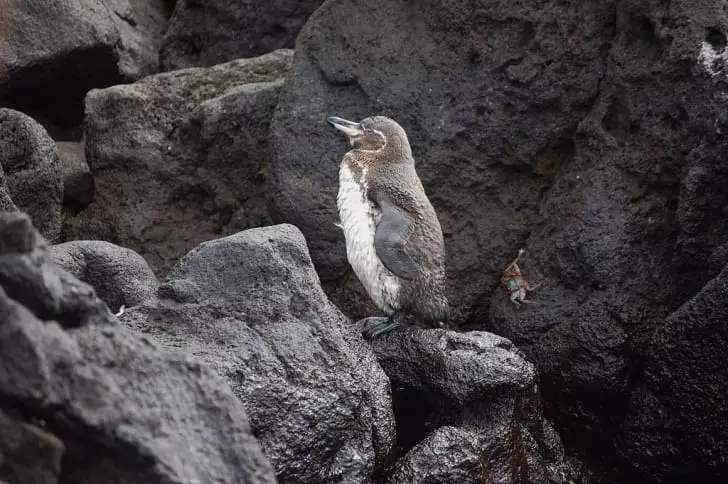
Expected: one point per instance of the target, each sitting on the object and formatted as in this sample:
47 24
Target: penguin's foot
374 326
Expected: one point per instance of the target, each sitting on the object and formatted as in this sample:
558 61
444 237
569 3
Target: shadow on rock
468 411
109 404
251 306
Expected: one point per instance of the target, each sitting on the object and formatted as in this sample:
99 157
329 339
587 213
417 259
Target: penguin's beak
349 128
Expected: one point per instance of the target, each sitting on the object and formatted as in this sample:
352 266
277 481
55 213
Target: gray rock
180 158
224 30
120 276
250 305
28 453
125 409
32 171
78 183
471 410
490 112
597 145
59 49
680 397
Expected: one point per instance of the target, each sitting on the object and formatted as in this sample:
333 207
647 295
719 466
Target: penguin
394 241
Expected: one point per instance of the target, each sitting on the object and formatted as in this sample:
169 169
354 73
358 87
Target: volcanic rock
120 276
52 52
251 306
202 34
32 171
180 158
124 409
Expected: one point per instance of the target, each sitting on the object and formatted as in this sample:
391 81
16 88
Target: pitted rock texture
251 306
468 410
32 171
78 183
202 34
28 453
52 52
124 409
120 276
180 158
677 404
591 135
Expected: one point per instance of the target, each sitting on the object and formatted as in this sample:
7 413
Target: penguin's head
372 134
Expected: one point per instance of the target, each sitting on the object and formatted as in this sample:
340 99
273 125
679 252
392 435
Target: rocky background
173 158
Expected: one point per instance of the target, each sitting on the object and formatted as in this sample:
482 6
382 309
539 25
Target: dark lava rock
490 95
78 183
205 33
125 409
592 135
32 171
180 158
120 276
28 453
52 52
251 306
681 396
468 410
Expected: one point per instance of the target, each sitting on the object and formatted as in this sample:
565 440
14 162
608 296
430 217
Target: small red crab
515 284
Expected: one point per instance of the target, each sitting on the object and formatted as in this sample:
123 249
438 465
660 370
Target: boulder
120 276
202 35
250 305
52 52
490 113
180 158
468 410
28 453
125 409
78 183
680 397
593 136
32 171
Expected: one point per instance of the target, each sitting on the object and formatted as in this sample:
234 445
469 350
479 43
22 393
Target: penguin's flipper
390 240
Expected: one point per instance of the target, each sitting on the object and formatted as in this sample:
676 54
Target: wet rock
681 395
28 454
32 171
78 183
468 410
202 35
52 52
120 276
180 158
250 305
125 409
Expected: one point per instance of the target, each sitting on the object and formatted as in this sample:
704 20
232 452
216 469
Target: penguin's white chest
359 218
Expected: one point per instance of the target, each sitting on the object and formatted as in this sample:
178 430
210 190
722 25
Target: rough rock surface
592 135
181 157
125 409
676 404
28 454
472 401
78 183
53 51
32 171
120 276
250 305
203 34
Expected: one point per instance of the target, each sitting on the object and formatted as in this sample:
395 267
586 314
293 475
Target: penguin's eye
368 130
